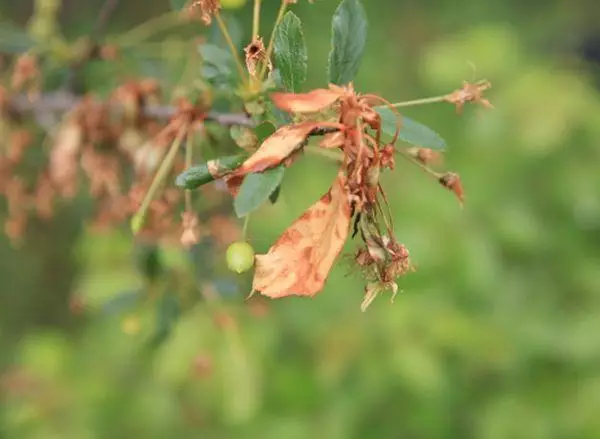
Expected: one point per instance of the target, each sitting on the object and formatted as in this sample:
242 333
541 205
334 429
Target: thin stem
189 156
106 12
232 48
414 161
415 102
245 227
137 222
148 29
280 15
256 20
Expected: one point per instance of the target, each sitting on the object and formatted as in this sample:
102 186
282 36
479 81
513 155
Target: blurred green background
495 336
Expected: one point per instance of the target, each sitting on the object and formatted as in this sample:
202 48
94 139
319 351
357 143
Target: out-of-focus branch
61 102
108 9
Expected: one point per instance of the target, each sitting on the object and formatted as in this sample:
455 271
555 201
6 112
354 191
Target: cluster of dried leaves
111 155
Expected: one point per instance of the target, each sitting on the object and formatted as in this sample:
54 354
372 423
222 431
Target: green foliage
290 52
410 131
256 189
13 39
199 175
178 5
349 37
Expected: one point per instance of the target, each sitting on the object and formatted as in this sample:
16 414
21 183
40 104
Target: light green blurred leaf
13 39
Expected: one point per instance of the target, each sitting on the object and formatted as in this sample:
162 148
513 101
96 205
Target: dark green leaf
148 261
201 174
410 131
178 5
275 195
263 131
256 189
348 40
290 52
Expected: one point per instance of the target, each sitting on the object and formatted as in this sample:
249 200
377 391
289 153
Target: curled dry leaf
277 148
311 102
300 261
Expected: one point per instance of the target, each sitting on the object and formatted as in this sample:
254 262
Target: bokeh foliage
497 335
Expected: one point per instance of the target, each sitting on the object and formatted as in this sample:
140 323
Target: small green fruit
240 257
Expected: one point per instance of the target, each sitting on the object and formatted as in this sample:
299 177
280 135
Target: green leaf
178 5
13 39
217 64
263 131
348 40
275 195
148 261
199 175
290 52
411 132
256 189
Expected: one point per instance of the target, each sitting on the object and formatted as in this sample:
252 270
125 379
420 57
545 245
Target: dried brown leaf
311 102
278 147
300 260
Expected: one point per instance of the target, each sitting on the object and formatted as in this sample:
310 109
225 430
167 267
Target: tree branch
60 102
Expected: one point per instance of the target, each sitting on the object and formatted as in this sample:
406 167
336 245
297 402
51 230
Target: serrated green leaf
411 131
290 52
199 175
178 5
256 189
349 37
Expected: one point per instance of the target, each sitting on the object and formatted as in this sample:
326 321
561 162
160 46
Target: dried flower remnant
451 181
26 74
191 229
470 93
256 54
204 9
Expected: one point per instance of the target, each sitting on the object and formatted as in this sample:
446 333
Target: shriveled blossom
299 262
470 93
256 54
26 74
204 9
191 229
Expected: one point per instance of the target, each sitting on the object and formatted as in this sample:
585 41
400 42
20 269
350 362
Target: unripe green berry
240 257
